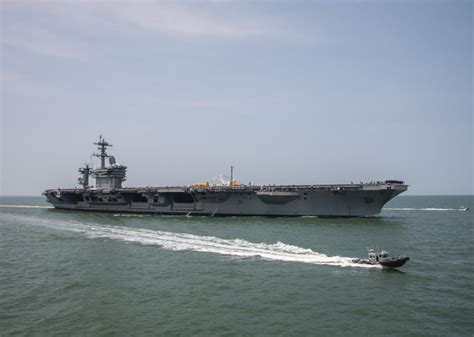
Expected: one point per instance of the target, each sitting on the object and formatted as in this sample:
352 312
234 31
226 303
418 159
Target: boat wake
131 215
278 251
209 244
458 209
24 206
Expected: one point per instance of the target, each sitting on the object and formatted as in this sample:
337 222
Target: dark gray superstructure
337 200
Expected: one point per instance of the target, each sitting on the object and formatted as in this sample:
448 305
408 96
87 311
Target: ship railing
239 188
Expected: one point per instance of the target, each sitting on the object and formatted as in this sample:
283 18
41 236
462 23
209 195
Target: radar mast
102 146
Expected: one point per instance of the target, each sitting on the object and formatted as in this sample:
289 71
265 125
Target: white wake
278 251
210 244
24 206
458 209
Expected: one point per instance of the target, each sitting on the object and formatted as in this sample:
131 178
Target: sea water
103 274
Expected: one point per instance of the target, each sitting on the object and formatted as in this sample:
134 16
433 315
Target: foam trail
209 244
458 209
24 206
131 215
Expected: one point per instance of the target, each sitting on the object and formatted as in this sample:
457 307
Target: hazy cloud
193 21
43 41
62 30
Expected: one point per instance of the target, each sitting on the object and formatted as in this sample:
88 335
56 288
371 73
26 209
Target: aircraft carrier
219 198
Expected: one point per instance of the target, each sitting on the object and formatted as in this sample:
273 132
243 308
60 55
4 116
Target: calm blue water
92 274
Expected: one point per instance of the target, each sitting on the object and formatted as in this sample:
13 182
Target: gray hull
352 200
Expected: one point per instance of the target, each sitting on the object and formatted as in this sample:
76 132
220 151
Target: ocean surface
91 274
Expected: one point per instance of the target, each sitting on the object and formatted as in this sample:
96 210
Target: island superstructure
227 198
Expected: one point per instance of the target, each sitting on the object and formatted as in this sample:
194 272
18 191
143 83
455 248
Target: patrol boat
219 198
381 257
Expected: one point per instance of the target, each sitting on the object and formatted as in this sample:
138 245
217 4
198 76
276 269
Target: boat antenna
102 146
231 175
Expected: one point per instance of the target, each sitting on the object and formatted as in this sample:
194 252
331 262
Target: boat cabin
376 256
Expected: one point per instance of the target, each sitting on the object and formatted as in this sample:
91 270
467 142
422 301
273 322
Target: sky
288 92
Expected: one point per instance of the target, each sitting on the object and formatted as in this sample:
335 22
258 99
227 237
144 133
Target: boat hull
395 262
351 200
